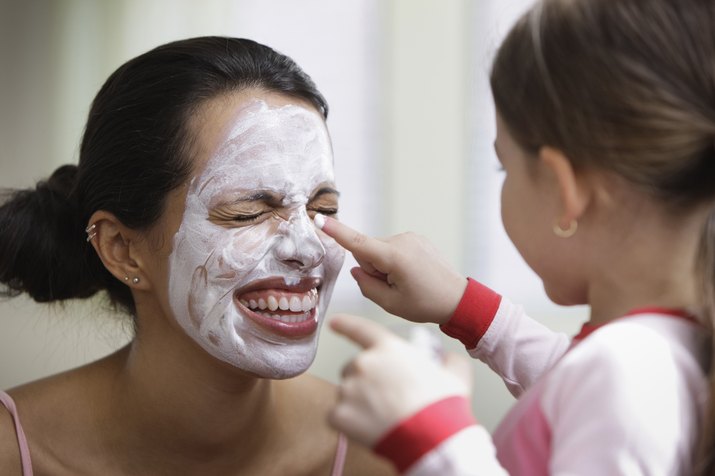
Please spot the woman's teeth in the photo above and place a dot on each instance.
(278, 301)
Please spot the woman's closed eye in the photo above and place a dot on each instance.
(233, 216)
(328, 211)
(324, 201)
(247, 218)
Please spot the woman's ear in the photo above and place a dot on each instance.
(114, 244)
(573, 192)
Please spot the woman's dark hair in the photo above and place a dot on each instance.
(135, 150)
(626, 86)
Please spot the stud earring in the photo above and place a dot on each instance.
(135, 280)
(126, 278)
(91, 231)
(567, 233)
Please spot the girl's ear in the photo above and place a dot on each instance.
(574, 193)
(114, 244)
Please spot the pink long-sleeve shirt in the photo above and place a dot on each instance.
(625, 398)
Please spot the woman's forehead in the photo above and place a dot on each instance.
(279, 147)
(213, 122)
(258, 132)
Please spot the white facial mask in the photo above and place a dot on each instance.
(284, 151)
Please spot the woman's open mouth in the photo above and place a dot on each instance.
(286, 310)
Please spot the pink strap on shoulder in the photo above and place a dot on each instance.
(21, 439)
(340, 453)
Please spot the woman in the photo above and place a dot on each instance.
(201, 166)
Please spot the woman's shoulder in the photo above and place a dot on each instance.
(45, 394)
(57, 390)
(322, 394)
(9, 447)
(48, 410)
(361, 460)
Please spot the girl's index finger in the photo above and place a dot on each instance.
(361, 331)
(360, 245)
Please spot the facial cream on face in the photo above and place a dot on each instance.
(254, 295)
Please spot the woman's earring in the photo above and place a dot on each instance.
(91, 231)
(567, 233)
(135, 280)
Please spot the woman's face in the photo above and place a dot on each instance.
(250, 276)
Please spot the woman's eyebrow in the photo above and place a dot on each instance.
(259, 196)
(256, 197)
(325, 191)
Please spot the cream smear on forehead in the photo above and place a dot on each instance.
(283, 150)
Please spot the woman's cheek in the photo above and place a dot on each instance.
(197, 290)
(241, 250)
(335, 256)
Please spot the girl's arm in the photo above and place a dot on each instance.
(406, 276)
(500, 334)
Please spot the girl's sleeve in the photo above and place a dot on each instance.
(441, 439)
(500, 334)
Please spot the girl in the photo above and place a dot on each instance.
(606, 133)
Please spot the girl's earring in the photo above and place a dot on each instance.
(567, 233)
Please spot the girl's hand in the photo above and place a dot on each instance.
(404, 274)
(389, 381)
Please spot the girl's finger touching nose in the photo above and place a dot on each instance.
(363, 247)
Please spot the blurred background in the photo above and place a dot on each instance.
(411, 119)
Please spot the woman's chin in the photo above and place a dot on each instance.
(270, 361)
(285, 374)
(281, 373)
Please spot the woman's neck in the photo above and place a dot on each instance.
(169, 395)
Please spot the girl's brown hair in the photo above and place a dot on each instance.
(627, 86)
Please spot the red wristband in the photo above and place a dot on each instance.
(417, 435)
(473, 315)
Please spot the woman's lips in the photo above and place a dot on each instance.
(286, 310)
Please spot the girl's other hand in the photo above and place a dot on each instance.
(404, 274)
(389, 381)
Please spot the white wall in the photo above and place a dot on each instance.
(411, 120)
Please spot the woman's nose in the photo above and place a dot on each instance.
(299, 245)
